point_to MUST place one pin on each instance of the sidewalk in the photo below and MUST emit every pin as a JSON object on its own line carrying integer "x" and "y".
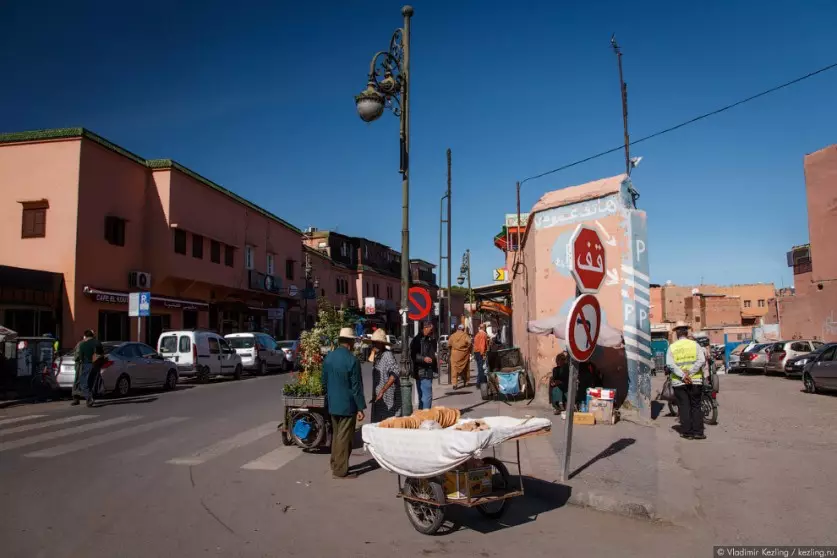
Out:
{"x": 624, "y": 468}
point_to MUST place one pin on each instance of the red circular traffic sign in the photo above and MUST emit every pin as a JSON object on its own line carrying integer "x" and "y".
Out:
{"x": 588, "y": 259}
{"x": 418, "y": 303}
{"x": 583, "y": 327}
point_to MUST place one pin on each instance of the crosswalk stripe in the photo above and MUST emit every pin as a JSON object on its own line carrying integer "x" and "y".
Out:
{"x": 226, "y": 445}
{"x": 38, "y": 425}
{"x": 46, "y": 436}
{"x": 104, "y": 438}
{"x": 145, "y": 449}
{"x": 19, "y": 419}
{"x": 274, "y": 460}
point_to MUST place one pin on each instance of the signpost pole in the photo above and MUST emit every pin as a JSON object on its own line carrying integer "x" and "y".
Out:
{"x": 568, "y": 425}
{"x": 139, "y": 329}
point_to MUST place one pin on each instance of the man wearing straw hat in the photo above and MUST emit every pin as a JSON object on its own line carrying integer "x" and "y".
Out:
{"x": 343, "y": 385}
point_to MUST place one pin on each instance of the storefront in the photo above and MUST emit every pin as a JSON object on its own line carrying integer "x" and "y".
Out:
{"x": 167, "y": 313}
{"x": 31, "y": 301}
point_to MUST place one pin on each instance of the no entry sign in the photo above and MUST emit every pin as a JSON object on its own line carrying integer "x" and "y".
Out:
{"x": 583, "y": 326}
{"x": 588, "y": 259}
{"x": 419, "y": 303}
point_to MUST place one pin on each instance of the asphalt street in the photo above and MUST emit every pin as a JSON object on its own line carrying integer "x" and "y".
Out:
{"x": 202, "y": 471}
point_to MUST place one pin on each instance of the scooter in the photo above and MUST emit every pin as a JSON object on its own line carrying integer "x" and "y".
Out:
{"x": 708, "y": 399}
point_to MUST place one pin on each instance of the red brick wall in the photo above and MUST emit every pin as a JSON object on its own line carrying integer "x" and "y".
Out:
{"x": 721, "y": 311}
{"x": 821, "y": 185}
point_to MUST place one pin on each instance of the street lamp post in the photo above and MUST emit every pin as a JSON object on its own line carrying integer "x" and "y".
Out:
{"x": 465, "y": 273}
{"x": 388, "y": 86}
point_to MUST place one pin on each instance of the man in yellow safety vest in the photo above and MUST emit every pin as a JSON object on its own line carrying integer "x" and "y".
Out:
{"x": 686, "y": 360}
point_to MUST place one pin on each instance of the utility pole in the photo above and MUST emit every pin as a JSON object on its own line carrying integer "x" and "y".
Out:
{"x": 623, "y": 88}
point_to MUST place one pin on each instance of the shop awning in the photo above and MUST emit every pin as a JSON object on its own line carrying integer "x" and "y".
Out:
{"x": 20, "y": 278}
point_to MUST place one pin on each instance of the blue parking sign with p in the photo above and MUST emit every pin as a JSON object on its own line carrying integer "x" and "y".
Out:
{"x": 145, "y": 304}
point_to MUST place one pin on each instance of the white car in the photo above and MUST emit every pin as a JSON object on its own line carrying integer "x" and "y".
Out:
{"x": 200, "y": 353}
{"x": 291, "y": 352}
{"x": 259, "y": 352}
{"x": 128, "y": 366}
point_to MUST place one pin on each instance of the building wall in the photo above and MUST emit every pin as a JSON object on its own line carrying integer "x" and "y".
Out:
{"x": 542, "y": 287}
{"x": 36, "y": 171}
{"x": 674, "y": 302}
{"x": 720, "y": 311}
{"x": 821, "y": 186}
{"x": 655, "y": 313}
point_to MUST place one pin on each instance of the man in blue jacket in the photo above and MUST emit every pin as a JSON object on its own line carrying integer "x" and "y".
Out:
{"x": 343, "y": 385}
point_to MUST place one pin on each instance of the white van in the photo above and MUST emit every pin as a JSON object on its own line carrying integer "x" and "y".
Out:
{"x": 258, "y": 351}
{"x": 199, "y": 353}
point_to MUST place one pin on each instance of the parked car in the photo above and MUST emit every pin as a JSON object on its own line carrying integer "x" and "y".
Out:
{"x": 755, "y": 359}
{"x": 258, "y": 351}
{"x": 796, "y": 365}
{"x": 394, "y": 343}
{"x": 735, "y": 358}
{"x": 783, "y": 350}
{"x": 290, "y": 349}
{"x": 200, "y": 353}
{"x": 821, "y": 372}
{"x": 128, "y": 366}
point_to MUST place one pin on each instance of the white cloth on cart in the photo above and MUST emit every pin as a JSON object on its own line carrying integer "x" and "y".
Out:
{"x": 428, "y": 453}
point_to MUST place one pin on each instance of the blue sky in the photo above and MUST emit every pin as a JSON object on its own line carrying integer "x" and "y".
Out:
{"x": 258, "y": 96}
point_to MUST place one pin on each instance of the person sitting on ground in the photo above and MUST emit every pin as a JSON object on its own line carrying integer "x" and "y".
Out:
{"x": 559, "y": 383}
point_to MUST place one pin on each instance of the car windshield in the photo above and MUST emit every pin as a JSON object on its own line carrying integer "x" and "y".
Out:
{"x": 241, "y": 342}
{"x": 285, "y": 344}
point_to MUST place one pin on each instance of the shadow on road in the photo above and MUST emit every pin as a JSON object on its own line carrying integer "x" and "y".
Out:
{"x": 540, "y": 497}
{"x": 611, "y": 450}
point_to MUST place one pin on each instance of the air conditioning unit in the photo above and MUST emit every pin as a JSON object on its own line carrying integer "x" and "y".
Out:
{"x": 139, "y": 280}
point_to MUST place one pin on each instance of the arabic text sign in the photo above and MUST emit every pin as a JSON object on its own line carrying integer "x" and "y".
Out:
{"x": 588, "y": 259}
{"x": 583, "y": 327}
{"x": 511, "y": 219}
{"x": 576, "y": 213}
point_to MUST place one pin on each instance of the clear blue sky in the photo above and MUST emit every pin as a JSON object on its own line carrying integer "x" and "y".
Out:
{"x": 258, "y": 96}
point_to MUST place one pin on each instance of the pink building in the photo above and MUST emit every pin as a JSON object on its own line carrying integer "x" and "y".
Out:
{"x": 105, "y": 222}
{"x": 542, "y": 286}
{"x": 811, "y": 311}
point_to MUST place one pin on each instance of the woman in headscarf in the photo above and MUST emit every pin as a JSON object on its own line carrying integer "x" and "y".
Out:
{"x": 386, "y": 394}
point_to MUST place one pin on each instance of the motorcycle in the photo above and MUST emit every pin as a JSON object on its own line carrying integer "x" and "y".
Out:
{"x": 708, "y": 399}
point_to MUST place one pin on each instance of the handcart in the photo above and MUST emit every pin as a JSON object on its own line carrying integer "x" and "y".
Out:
{"x": 307, "y": 423}
{"x": 481, "y": 483}
{"x": 505, "y": 376}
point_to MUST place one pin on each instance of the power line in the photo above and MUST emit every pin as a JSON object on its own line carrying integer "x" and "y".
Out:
{"x": 686, "y": 123}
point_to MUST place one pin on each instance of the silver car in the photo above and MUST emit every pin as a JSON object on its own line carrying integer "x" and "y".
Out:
{"x": 755, "y": 359}
{"x": 127, "y": 366}
{"x": 783, "y": 351}
{"x": 821, "y": 371}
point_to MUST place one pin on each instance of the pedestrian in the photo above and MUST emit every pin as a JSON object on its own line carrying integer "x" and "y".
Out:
{"x": 94, "y": 379}
{"x": 84, "y": 354}
{"x": 460, "y": 356}
{"x": 559, "y": 383}
{"x": 480, "y": 352}
{"x": 686, "y": 359}
{"x": 386, "y": 387}
{"x": 343, "y": 386}
{"x": 423, "y": 355}
{"x": 588, "y": 377}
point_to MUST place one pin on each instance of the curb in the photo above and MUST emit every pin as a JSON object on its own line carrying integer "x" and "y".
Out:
{"x": 14, "y": 402}
{"x": 608, "y": 503}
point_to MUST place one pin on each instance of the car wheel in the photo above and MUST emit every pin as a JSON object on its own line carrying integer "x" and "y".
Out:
{"x": 123, "y": 386}
{"x": 808, "y": 381}
{"x": 237, "y": 373}
{"x": 202, "y": 375}
{"x": 262, "y": 368}
{"x": 171, "y": 381}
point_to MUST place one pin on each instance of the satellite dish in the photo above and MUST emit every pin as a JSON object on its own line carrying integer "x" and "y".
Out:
{"x": 695, "y": 291}
{"x": 668, "y": 282}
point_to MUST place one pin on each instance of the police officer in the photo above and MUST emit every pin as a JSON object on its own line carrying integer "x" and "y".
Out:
{"x": 686, "y": 360}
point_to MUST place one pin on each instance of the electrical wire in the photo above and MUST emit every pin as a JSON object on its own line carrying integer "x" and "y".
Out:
{"x": 686, "y": 123}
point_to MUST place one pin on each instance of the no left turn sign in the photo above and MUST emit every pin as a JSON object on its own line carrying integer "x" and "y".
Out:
{"x": 583, "y": 327}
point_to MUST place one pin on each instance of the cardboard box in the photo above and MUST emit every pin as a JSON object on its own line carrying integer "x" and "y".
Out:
{"x": 602, "y": 410}
{"x": 601, "y": 393}
{"x": 584, "y": 418}
{"x": 460, "y": 485}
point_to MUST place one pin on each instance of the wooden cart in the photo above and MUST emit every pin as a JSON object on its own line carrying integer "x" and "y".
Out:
{"x": 425, "y": 499}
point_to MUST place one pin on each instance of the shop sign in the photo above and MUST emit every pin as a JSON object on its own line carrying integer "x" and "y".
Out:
{"x": 111, "y": 298}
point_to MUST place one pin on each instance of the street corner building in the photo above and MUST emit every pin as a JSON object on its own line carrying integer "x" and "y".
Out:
{"x": 85, "y": 222}
{"x": 543, "y": 287}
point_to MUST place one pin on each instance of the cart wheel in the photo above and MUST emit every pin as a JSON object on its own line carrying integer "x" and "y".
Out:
{"x": 316, "y": 425}
{"x": 500, "y": 482}
{"x": 425, "y": 518}
{"x": 286, "y": 439}
{"x": 484, "y": 391}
